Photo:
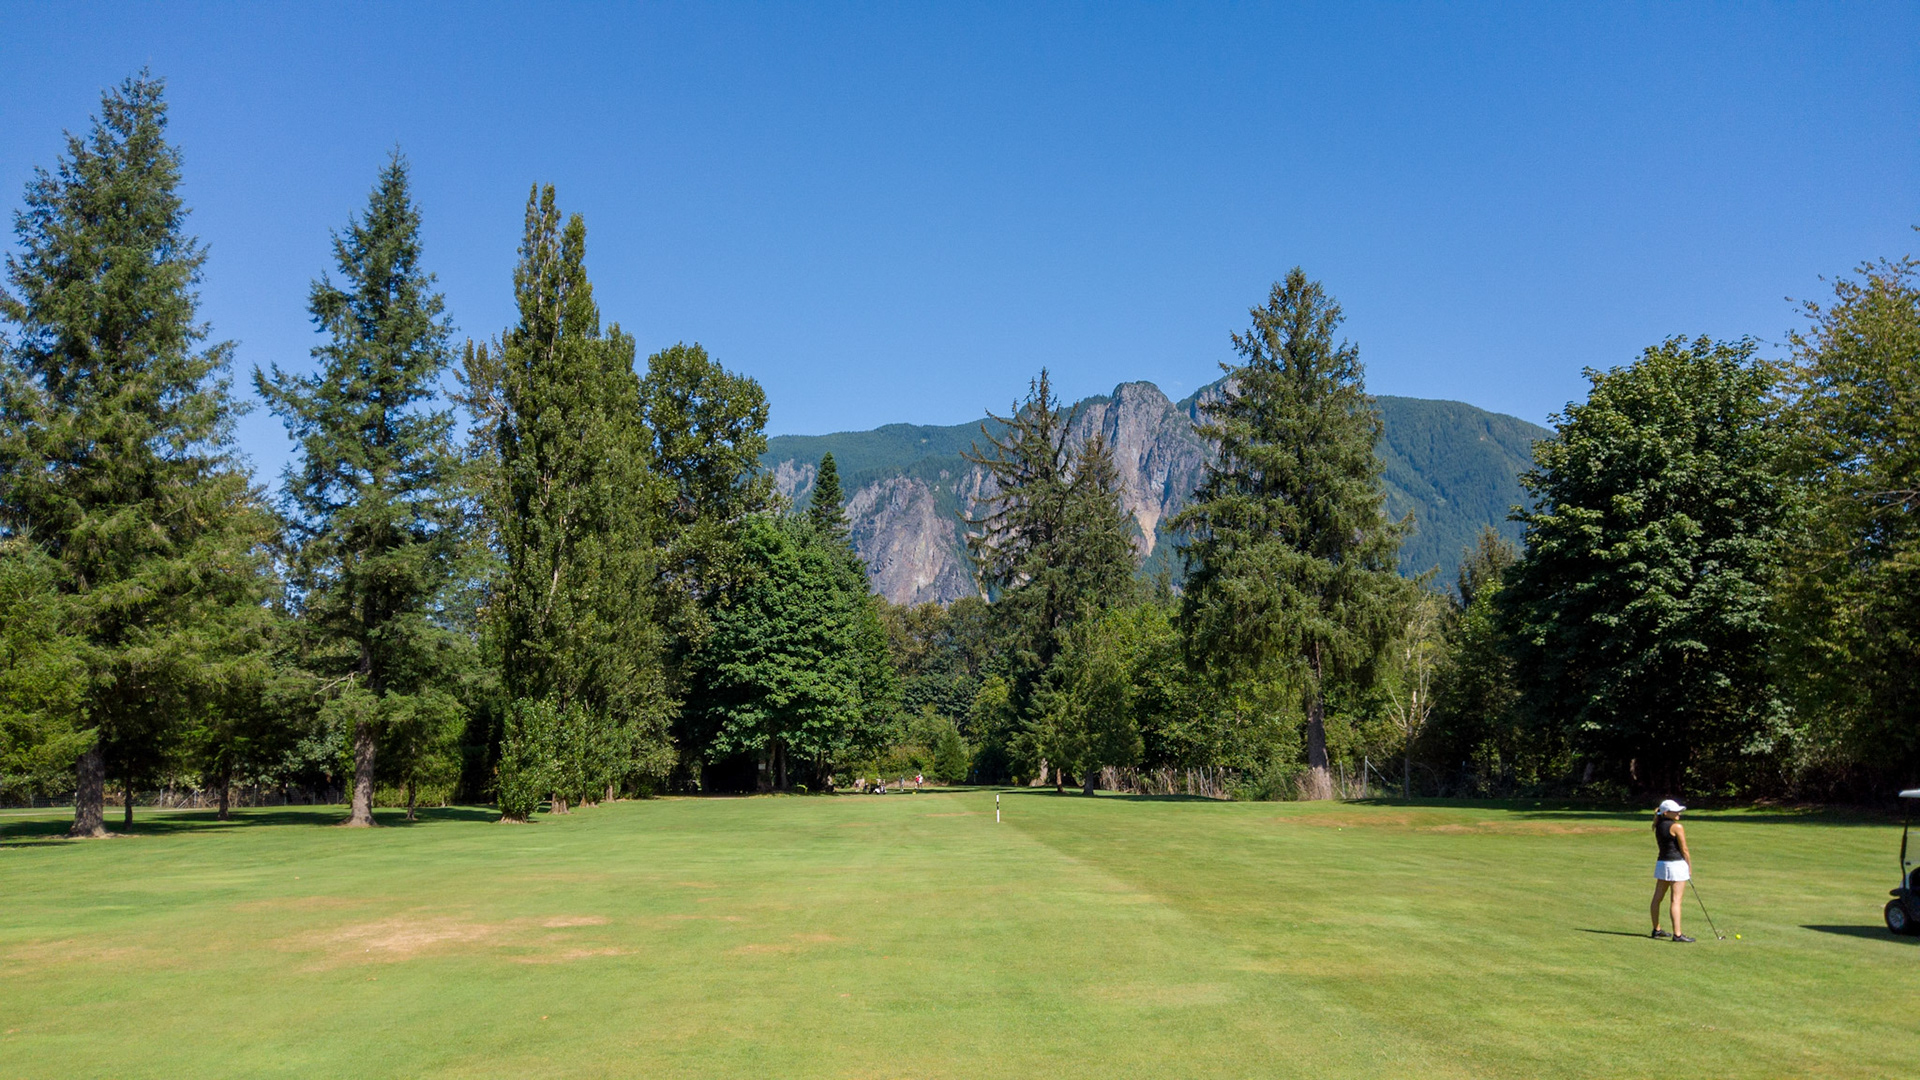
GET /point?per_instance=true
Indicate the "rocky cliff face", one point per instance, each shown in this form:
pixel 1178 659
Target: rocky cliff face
pixel 1452 465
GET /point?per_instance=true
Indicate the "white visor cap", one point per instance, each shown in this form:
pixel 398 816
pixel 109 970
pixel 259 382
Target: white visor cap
pixel 1668 806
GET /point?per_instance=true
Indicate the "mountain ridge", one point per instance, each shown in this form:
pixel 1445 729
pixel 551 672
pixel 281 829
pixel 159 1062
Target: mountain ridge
pixel 1453 465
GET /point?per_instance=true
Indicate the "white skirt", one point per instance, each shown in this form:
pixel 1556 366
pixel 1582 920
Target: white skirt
pixel 1672 870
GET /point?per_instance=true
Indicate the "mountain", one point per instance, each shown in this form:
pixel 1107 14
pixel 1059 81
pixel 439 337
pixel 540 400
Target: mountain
pixel 1455 467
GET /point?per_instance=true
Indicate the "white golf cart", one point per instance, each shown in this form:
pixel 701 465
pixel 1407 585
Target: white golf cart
pixel 1903 911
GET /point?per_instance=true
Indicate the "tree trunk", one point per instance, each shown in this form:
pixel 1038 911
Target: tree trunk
pixel 1319 778
pixel 780 756
pixel 411 794
pixel 560 804
pixel 361 815
pixel 610 793
pixel 1090 780
pixel 226 792
pixel 90 794
pixel 1406 775
pixel 126 805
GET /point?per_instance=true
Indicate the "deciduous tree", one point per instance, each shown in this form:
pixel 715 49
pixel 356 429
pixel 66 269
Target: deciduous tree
pixel 572 497
pixel 1853 592
pixel 1642 613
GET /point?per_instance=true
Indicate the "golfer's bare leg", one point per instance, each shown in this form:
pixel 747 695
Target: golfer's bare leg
pixel 1659 890
pixel 1673 900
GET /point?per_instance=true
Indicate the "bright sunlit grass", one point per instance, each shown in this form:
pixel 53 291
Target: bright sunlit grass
pixel 908 936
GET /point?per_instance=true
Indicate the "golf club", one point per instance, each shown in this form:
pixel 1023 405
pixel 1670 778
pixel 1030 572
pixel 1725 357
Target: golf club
pixel 1703 910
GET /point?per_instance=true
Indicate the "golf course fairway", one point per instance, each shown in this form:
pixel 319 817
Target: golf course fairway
pixel 911 936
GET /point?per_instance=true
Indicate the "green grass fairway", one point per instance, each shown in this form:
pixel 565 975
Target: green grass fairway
pixel 909 936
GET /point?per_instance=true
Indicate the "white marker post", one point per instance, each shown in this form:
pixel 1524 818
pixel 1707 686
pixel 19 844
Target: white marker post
pixel 996 808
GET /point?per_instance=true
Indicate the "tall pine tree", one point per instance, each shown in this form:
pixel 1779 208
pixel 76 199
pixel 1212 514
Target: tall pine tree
pixel 825 506
pixel 115 444
pixel 1051 540
pixel 1290 562
pixel 371 502
pixel 572 499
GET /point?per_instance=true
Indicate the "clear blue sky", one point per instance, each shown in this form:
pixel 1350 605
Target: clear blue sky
pixel 901 212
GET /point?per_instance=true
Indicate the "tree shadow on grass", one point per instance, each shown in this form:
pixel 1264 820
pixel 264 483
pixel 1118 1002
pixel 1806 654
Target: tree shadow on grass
pixel 1074 792
pixel 1878 933
pixel 1577 810
pixel 177 822
pixel 1616 933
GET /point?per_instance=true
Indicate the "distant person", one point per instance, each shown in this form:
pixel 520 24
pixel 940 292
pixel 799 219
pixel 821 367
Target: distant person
pixel 1673 868
pixel 918 779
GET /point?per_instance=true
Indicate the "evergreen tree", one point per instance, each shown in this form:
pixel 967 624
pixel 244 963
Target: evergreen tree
pixel 41 676
pixel 115 441
pixel 1853 586
pixel 1290 562
pixel 1051 541
pixel 825 507
pixel 372 503
pixel 1641 612
pixel 572 500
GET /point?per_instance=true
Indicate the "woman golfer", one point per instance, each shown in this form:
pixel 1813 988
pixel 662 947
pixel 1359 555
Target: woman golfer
pixel 1674 868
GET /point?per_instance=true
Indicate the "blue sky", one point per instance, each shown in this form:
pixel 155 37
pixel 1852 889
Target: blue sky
pixel 899 213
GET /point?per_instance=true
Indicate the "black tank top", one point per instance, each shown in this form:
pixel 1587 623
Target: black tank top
pixel 1663 835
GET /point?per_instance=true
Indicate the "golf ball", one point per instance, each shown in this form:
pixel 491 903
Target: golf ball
pixel 1736 937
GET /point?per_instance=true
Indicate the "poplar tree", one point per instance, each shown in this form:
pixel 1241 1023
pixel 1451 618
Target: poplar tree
pixel 571 498
pixel 371 502
pixel 1290 560
pixel 115 442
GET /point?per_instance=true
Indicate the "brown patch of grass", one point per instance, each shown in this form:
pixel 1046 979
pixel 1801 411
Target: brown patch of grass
pixel 570 955
pixel 41 955
pixel 561 921
pixel 401 937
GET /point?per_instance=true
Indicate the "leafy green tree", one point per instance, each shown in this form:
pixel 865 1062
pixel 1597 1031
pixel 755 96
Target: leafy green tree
pixel 115 443
pixel 1411 675
pixel 1050 539
pixel 1475 689
pixel 826 506
pixel 372 501
pixel 1110 673
pixel 795 669
pixel 1290 560
pixel 572 500
pixel 1641 614
pixel 1853 581
pixel 708 430
pixel 941 652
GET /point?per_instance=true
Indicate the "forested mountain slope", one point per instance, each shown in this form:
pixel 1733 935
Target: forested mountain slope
pixel 1455 467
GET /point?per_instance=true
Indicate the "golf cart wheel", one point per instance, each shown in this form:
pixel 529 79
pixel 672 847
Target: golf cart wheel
pixel 1898 920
